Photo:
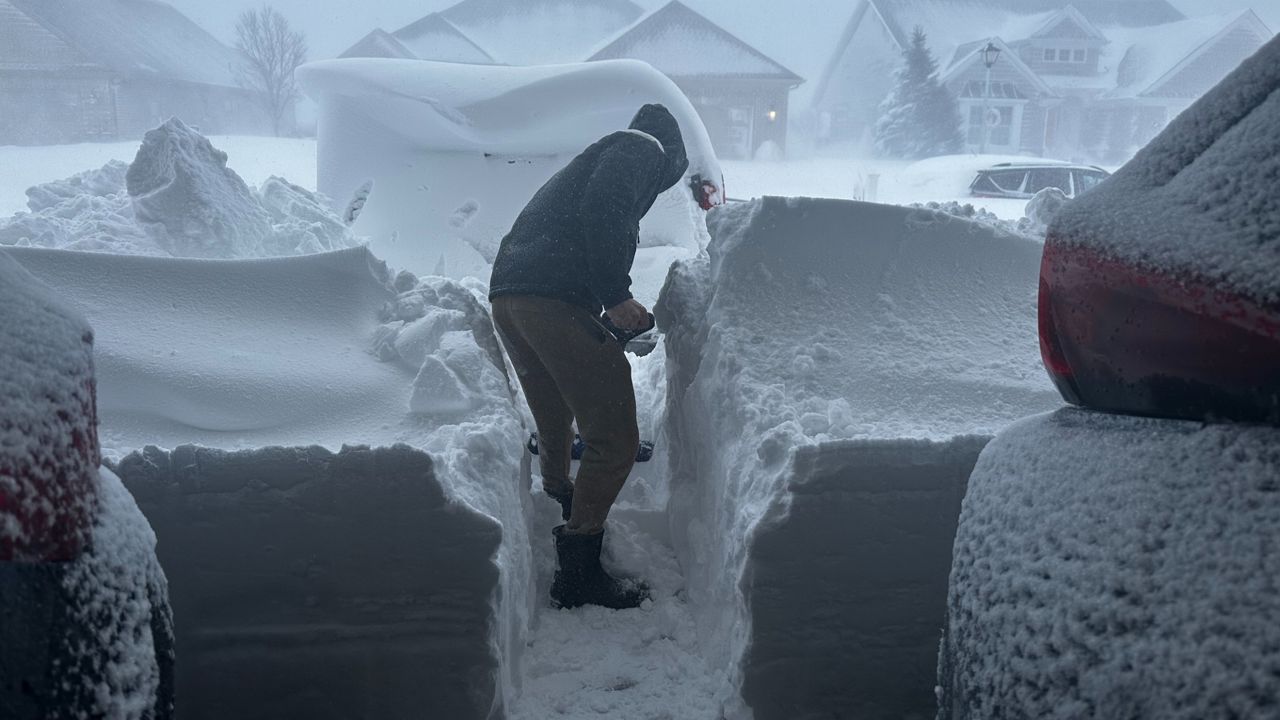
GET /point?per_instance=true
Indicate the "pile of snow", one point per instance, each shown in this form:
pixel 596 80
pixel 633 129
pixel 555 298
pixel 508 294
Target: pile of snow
pixel 828 360
pixel 49 451
pixel 1040 212
pixel 1207 182
pixel 443 330
pixel 178 198
pixel 1042 209
pixel 448 154
pixel 1115 566
pixel 253 354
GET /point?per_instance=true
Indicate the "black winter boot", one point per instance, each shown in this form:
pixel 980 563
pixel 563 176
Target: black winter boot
pixel 581 580
pixel 566 502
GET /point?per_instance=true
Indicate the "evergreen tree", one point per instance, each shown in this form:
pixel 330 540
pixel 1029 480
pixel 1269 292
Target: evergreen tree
pixel 919 118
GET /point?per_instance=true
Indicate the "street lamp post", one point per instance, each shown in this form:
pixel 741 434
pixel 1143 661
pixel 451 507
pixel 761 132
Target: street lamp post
pixel 990 54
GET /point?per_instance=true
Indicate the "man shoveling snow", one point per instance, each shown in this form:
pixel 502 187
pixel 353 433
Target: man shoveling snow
pixel 567 257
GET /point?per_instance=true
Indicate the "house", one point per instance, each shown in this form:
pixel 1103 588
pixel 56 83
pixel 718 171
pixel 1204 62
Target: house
pixel 1077 79
pixel 742 95
pixel 73 71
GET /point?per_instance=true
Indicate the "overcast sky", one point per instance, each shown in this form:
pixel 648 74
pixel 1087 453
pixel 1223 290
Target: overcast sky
pixel 333 25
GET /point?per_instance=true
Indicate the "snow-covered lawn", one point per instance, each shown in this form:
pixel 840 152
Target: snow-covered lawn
pixel 257 158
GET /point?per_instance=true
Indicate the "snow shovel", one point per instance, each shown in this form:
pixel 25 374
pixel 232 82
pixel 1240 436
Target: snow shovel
pixel 644 454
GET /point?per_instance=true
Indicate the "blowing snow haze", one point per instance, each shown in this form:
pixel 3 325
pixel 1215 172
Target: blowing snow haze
pixel 333 25
pixel 933 377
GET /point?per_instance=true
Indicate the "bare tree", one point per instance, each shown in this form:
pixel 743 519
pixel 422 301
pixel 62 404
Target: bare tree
pixel 272 50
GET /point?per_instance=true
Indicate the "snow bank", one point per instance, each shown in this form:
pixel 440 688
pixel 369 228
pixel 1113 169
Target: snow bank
pixel 829 360
pixel 1115 566
pixel 49 451
pixel 348 584
pixel 252 354
pixel 1208 183
pixel 177 198
pixel 455 151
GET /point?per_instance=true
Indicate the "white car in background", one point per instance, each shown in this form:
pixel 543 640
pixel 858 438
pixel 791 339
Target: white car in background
pixel 1022 180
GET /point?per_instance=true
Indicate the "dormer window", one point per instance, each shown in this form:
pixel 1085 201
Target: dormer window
pixel 1066 55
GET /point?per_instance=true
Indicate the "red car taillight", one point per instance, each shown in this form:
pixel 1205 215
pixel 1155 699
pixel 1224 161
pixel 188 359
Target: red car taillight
pixel 1126 339
pixel 49 454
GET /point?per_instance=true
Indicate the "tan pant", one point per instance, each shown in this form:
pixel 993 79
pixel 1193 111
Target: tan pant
pixel 571 367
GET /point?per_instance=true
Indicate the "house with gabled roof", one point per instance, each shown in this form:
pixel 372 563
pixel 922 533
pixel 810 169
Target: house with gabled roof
pixel 432 37
pixel 1076 79
pixel 741 94
pixel 73 71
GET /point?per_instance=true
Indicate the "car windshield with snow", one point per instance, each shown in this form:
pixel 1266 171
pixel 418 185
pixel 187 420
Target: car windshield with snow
pixel 1024 180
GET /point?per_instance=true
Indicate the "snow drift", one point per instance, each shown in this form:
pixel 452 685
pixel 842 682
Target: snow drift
pixel 441 157
pixel 328 350
pixel 178 198
pixel 1137 579
pixel 834 369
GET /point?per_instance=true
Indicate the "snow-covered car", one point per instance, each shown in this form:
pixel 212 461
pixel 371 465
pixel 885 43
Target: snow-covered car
pixel 1116 559
pixel 1022 180
pixel 87 628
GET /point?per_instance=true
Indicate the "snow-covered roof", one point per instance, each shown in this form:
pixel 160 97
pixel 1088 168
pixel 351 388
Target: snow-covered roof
pixel 136 38
pixel 435 38
pixel 682 43
pixel 539 32
pixel 961 20
pixel 379 43
pixel 1141 61
pixel 1070 14
pixel 970 53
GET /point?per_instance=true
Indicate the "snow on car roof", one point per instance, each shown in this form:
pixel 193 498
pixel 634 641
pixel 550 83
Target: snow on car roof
pixel 1200 199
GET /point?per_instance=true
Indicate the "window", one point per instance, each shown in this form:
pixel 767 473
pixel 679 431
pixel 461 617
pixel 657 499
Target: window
pixel 1066 55
pixel 998 125
pixel 1047 178
pixel 1002 181
pixel 1086 180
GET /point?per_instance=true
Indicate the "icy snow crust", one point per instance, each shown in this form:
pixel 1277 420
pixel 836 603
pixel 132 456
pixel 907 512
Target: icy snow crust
pixel 325 349
pixel 48 436
pixel 1199 201
pixel 179 198
pixel 453 152
pixel 1115 566
pixel 813 324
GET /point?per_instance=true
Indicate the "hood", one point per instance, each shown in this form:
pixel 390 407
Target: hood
pixel 657 121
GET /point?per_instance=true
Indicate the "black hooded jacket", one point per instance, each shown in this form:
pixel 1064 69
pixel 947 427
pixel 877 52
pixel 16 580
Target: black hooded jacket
pixel 576 239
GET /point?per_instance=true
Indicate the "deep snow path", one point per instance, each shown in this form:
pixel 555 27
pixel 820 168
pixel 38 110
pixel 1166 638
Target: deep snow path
pixel 644 664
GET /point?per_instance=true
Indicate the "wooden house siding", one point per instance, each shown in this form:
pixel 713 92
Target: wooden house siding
pixel 55 107
pixel 210 109
pixel 857 81
pixel 23 41
pixel 1210 66
pixel 736 112
pixel 51 93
